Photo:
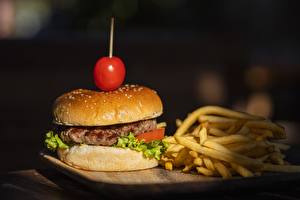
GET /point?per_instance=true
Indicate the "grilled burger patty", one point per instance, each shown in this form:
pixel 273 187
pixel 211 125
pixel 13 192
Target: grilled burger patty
pixel 107 135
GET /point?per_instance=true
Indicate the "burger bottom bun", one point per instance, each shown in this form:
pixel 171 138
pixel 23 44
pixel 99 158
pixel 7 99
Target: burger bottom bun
pixel 102 158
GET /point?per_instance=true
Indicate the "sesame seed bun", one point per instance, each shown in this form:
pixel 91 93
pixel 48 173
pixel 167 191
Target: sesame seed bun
pixel 129 103
pixel 102 158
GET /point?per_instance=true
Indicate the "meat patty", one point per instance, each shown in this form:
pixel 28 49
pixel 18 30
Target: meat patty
pixel 107 135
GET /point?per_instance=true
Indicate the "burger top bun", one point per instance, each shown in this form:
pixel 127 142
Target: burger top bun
pixel 127 104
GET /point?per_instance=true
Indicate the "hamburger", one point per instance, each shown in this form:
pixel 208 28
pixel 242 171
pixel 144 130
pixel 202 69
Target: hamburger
pixel 108 131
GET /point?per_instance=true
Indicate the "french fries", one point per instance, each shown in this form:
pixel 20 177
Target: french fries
pixel 221 155
pixel 169 166
pixel 242 147
pixel 215 119
pixel 204 171
pixel 241 170
pixel 222 169
pixel 215 141
pixel 212 110
pixel 281 168
pixel 231 139
pixel 217 132
pixel 203 135
pixel 208 163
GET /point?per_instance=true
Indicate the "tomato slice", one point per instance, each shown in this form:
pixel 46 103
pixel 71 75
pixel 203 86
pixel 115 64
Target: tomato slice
pixel 156 134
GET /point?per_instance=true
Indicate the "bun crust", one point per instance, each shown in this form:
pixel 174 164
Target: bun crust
pixel 102 158
pixel 127 104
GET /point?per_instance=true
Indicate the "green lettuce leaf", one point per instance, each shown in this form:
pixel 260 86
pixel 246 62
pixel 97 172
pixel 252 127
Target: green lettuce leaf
pixel 152 149
pixel 52 141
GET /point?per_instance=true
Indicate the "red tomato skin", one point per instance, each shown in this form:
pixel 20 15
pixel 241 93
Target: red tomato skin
pixel 156 134
pixel 109 73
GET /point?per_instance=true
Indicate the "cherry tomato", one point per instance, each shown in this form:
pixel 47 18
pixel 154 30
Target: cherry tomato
pixel 109 73
pixel 156 134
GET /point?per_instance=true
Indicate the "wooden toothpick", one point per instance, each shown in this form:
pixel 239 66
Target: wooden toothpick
pixel 111 37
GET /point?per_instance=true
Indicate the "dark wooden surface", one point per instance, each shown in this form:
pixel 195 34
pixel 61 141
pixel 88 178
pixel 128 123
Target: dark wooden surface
pixel 50 184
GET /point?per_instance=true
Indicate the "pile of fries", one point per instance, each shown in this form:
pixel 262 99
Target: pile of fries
pixel 215 141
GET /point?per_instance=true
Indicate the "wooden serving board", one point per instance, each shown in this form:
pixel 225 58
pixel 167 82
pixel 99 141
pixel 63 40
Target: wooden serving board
pixel 158 181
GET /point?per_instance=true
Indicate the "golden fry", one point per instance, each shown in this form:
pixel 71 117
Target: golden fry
pixel 279 145
pixel 198 161
pixel 216 146
pixel 188 168
pixel 182 154
pixel 262 131
pixel 216 132
pixel 196 131
pixel 161 125
pixel 213 110
pixel 204 171
pixel 236 127
pixel 210 137
pixel 170 139
pixel 174 155
pixel 231 139
pixel 221 126
pixel 243 131
pixel 203 135
pixel 191 138
pixel 242 170
pixel 222 169
pixel 257 152
pixel 277 130
pixel 241 147
pixel 166 159
pixel 281 168
pixel 276 158
pixel 193 154
pixel 208 163
pixel 173 148
pixel 215 119
pixel 262 134
pixel 224 156
pixel 178 122
pixel 264 158
pixel 168 166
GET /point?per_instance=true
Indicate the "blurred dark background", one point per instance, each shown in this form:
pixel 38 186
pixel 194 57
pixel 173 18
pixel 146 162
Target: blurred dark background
pixel 238 54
